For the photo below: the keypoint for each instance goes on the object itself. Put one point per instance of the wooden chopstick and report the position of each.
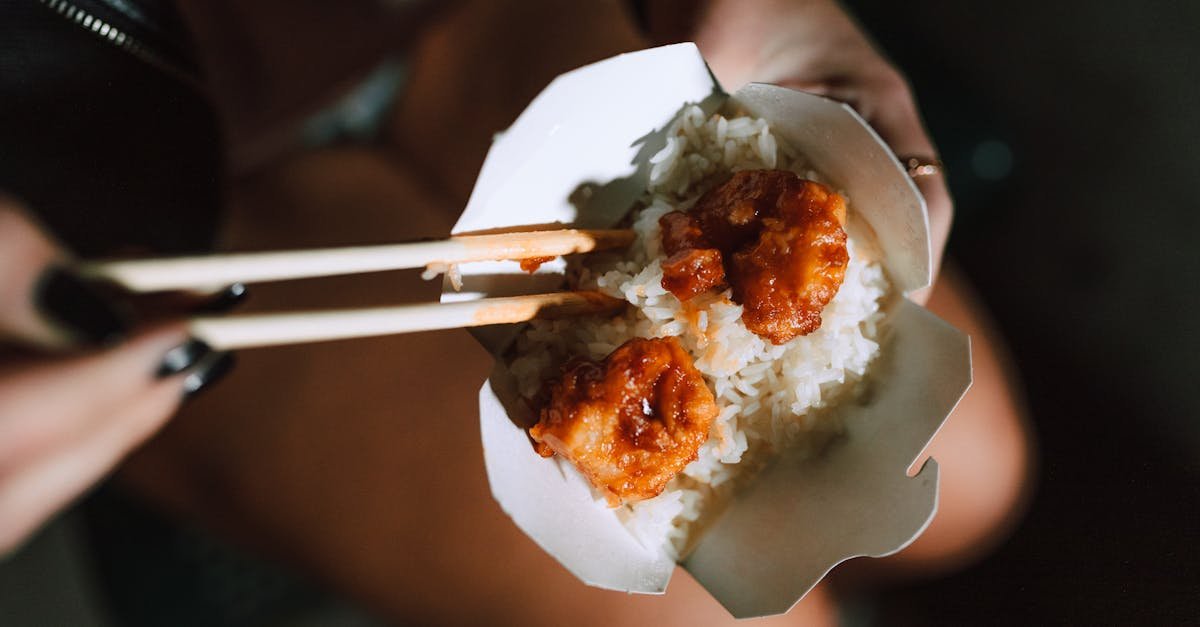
(249, 331)
(213, 271)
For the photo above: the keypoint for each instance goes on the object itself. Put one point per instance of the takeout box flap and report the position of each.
(800, 518)
(598, 126)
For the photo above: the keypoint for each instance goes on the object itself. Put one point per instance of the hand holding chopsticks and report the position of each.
(246, 331)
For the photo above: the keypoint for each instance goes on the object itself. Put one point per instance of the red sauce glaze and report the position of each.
(629, 423)
(531, 264)
(693, 271)
(775, 238)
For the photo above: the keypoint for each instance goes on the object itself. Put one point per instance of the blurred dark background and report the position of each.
(1070, 133)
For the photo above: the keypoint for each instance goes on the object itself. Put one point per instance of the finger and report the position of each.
(887, 104)
(47, 403)
(32, 495)
(830, 87)
(94, 312)
(25, 253)
(41, 302)
(158, 306)
(894, 116)
(941, 215)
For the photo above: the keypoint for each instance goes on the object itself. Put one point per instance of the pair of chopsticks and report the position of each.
(254, 330)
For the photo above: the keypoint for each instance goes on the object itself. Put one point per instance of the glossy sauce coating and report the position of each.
(776, 239)
(629, 423)
(532, 264)
(693, 271)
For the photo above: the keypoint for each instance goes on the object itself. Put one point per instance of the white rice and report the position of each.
(767, 394)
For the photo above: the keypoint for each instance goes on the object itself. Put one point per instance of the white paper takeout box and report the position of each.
(798, 519)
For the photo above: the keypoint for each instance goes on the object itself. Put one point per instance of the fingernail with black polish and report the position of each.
(211, 368)
(226, 299)
(78, 306)
(182, 357)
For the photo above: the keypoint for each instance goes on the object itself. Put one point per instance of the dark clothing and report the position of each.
(105, 134)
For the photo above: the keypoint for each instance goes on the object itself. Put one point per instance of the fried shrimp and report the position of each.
(629, 423)
(776, 239)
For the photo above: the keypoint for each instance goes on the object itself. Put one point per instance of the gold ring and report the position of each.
(922, 166)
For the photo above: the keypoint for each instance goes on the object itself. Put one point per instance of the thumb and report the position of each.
(41, 302)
